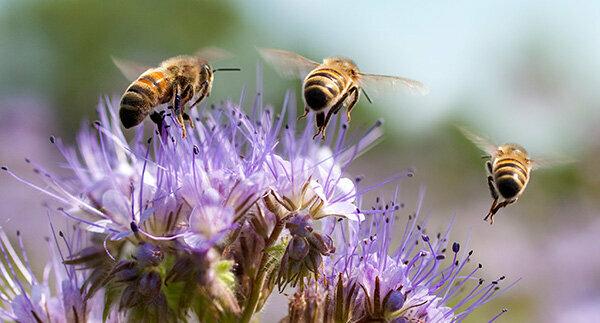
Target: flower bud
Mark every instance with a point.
(148, 254)
(313, 261)
(298, 225)
(298, 248)
(395, 301)
(322, 243)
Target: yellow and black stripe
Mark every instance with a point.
(511, 176)
(323, 86)
(145, 93)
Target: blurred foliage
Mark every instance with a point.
(61, 49)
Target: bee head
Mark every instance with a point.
(345, 64)
(514, 150)
(206, 72)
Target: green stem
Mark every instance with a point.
(259, 280)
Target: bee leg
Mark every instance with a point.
(177, 109)
(176, 101)
(340, 102)
(488, 164)
(306, 110)
(200, 98)
(492, 211)
(505, 204)
(323, 127)
(333, 110)
(187, 118)
(494, 193)
(352, 104)
(496, 207)
(492, 187)
(181, 123)
(204, 93)
(320, 124)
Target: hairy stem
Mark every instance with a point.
(259, 280)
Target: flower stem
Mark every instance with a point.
(257, 286)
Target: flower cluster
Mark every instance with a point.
(205, 227)
(368, 280)
(56, 297)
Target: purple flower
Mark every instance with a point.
(423, 279)
(27, 298)
(203, 228)
(185, 202)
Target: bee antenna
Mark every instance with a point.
(226, 69)
(366, 95)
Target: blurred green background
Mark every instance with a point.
(515, 71)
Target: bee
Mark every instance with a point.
(332, 85)
(176, 81)
(509, 169)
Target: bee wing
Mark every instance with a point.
(131, 70)
(380, 82)
(288, 64)
(213, 54)
(549, 162)
(482, 143)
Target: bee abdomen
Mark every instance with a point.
(139, 99)
(510, 176)
(321, 87)
(508, 186)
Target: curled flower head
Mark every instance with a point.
(304, 253)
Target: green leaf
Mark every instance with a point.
(110, 295)
(274, 255)
(173, 293)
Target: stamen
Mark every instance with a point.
(504, 310)
(142, 178)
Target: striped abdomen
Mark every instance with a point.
(323, 86)
(511, 176)
(149, 90)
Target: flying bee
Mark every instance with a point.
(509, 168)
(332, 85)
(176, 81)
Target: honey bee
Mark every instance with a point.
(332, 85)
(175, 81)
(509, 168)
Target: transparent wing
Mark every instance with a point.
(288, 64)
(131, 70)
(373, 82)
(213, 54)
(482, 143)
(549, 162)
